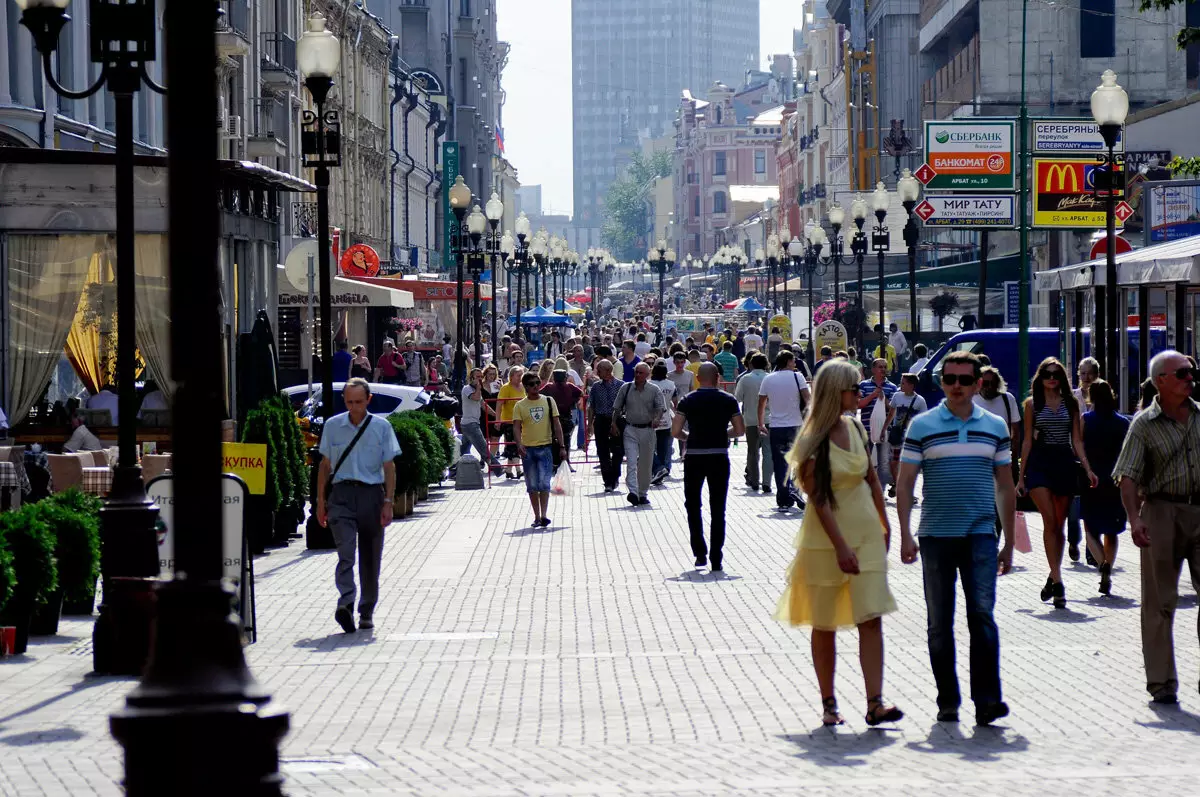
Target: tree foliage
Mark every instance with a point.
(943, 305)
(1188, 34)
(1184, 167)
(624, 209)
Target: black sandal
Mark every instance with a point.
(831, 717)
(889, 713)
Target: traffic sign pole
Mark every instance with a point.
(1023, 199)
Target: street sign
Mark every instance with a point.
(449, 224)
(970, 155)
(1069, 136)
(1135, 159)
(1123, 211)
(1064, 193)
(972, 211)
(1012, 303)
(1100, 247)
(924, 174)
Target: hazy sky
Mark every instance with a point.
(537, 80)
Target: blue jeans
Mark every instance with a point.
(1074, 534)
(781, 444)
(539, 468)
(581, 438)
(662, 450)
(942, 558)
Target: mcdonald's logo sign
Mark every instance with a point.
(1064, 193)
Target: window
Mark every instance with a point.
(760, 162)
(696, 207)
(719, 163)
(719, 202)
(462, 82)
(464, 8)
(1097, 28)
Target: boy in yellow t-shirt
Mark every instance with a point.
(536, 428)
(510, 393)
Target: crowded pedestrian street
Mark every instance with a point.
(592, 658)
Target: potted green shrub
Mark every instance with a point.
(260, 427)
(74, 519)
(8, 579)
(411, 465)
(294, 462)
(30, 542)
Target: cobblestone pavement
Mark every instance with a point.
(591, 658)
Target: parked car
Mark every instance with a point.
(385, 400)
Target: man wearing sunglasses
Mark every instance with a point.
(965, 456)
(1161, 461)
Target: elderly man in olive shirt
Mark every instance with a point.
(641, 404)
(1160, 460)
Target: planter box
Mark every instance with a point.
(82, 606)
(18, 614)
(46, 616)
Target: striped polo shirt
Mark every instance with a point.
(958, 460)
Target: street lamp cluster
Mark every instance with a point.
(599, 261)
(477, 253)
(728, 261)
(661, 259)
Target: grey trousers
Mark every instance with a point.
(354, 515)
(758, 448)
(881, 457)
(472, 437)
(639, 457)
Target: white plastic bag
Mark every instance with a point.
(561, 483)
(878, 421)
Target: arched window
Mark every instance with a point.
(719, 202)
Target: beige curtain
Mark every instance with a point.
(45, 280)
(152, 306)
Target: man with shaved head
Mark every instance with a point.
(713, 419)
(641, 404)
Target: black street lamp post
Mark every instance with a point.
(837, 253)
(1110, 105)
(598, 260)
(881, 242)
(909, 189)
(122, 36)
(521, 266)
(773, 255)
(808, 256)
(198, 703)
(471, 247)
(494, 210)
(661, 259)
(460, 200)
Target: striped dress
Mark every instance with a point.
(1052, 462)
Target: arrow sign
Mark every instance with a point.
(924, 210)
(1123, 211)
(968, 211)
(925, 174)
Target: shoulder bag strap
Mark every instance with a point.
(349, 448)
(799, 391)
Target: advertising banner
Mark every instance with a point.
(1171, 212)
(968, 155)
(1064, 193)
(450, 224)
(970, 211)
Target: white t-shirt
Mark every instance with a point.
(82, 439)
(782, 390)
(105, 400)
(471, 410)
(754, 343)
(668, 391)
(916, 401)
(642, 348)
(996, 406)
(916, 367)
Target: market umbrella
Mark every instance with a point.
(542, 316)
(258, 376)
(580, 298)
(751, 305)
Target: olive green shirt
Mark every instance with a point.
(1161, 455)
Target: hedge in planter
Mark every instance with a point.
(412, 464)
(30, 541)
(74, 519)
(444, 436)
(437, 463)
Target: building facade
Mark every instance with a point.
(630, 60)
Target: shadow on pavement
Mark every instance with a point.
(88, 682)
(304, 556)
(985, 744)
(1173, 718)
(701, 577)
(829, 747)
(1067, 615)
(30, 738)
(1112, 602)
(525, 532)
(336, 641)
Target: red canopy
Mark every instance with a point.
(580, 298)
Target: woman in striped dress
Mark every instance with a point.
(1051, 457)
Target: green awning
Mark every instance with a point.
(960, 275)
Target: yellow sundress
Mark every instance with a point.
(819, 594)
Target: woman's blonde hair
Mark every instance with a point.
(825, 413)
(545, 370)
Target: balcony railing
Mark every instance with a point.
(279, 51)
(414, 4)
(271, 120)
(954, 84)
(236, 17)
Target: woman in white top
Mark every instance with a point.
(662, 447)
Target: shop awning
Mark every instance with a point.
(960, 275)
(346, 293)
(432, 290)
(1161, 264)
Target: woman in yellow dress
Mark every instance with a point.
(839, 576)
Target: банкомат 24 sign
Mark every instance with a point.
(969, 155)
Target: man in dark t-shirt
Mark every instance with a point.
(708, 412)
(566, 396)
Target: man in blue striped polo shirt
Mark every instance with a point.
(963, 452)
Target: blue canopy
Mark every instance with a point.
(751, 305)
(542, 316)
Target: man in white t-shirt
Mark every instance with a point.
(994, 397)
(754, 341)
(106, 399)
(82, 438)
(785, 391)
(922, 355)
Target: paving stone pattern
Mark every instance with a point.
(591, 658)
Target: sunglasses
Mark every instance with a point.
(966, 380)
(1055, 375)
(989, 383)
(1185, 373)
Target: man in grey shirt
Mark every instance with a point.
(641, 404)
(758, 446)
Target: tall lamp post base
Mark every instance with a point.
(130, 566)
(170, 721)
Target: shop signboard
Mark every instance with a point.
(247, 461)
(972, 155)
(1012, 303)
(1065, 196)
(450, 224)
(783, 324)
(832, 334)
(968, 211)
(1172, 211)
(1067, 136)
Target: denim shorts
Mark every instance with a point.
(539, 467)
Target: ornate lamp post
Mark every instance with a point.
(909, 189)
(123, 42)
(494, 210)
(460, 200)
(661, 259)
(773, 255)
(1110, 105)
(881, 242)
(473, 248)
(506, 246)
(785, 259)
(837, 248)
(759, 255)
(522, 265)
